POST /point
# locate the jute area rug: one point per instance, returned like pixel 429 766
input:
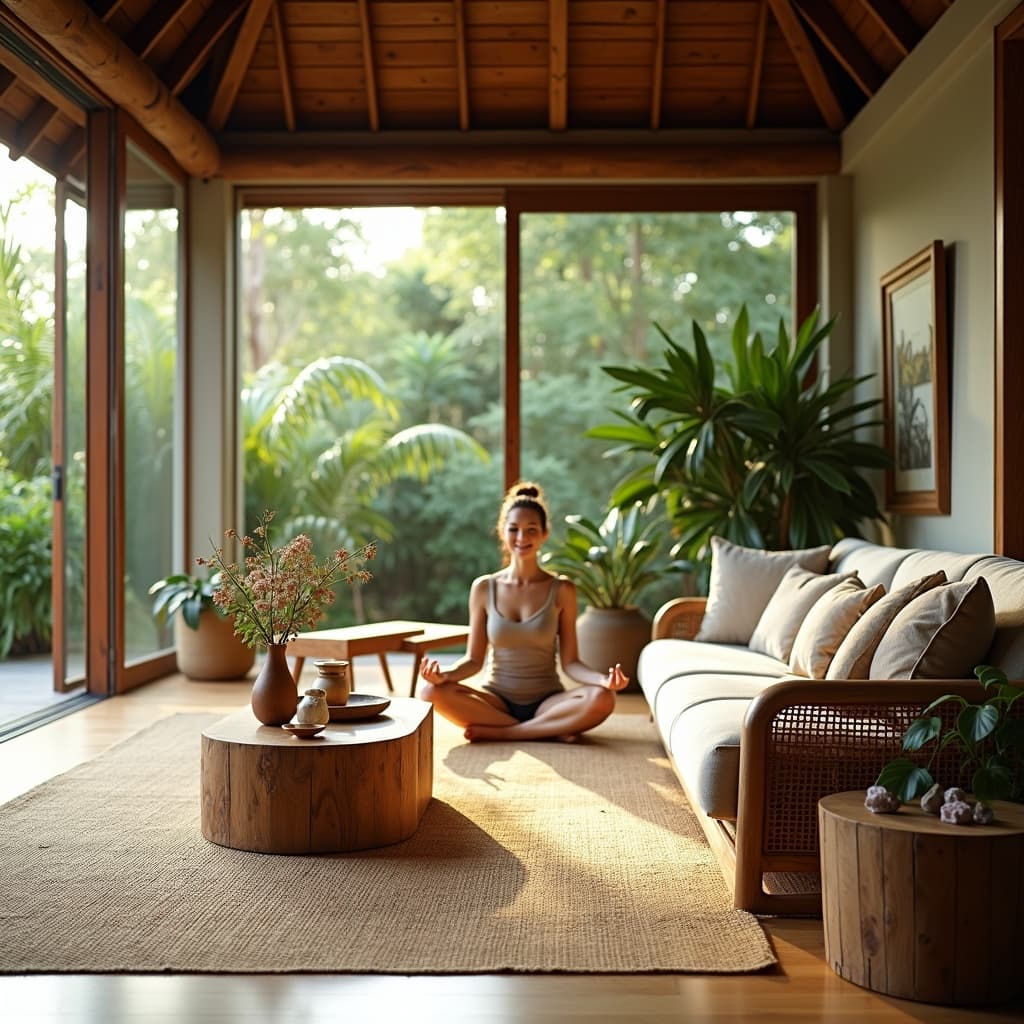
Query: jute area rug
pixel 543 857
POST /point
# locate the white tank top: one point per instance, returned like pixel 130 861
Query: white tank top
pixel 522 657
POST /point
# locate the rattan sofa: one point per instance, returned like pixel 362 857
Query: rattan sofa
pixel 756 747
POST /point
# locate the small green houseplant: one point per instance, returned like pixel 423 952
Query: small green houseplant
pixel 611 563
pixel 204 638
pixel 761 451
pixel 989 737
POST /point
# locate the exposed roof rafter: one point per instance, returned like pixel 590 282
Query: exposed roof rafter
pixel 835 34
pixel 280 45
pixel 154 25
pixel 7 80
pixel 810 67
pixel 185 63
pixel 756 69
pixel 897 24
pixel 106 9
pixel 31 130
pixel 369 70
pixel 461 69
pixel 558 65
pixel 248 36
pixel 658 71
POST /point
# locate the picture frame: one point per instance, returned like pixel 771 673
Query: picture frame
pixel 916 384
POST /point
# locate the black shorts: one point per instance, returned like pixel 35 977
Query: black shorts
pixel 524 712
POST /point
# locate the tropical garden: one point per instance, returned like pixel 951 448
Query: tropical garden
pixel 371 405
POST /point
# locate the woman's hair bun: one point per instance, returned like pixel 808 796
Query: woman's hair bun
pixel 527 492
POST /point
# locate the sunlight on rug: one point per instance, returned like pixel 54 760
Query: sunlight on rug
pixel 547 857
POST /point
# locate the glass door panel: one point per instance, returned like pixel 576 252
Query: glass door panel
pixel 153 398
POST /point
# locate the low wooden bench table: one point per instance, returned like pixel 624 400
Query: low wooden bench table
pixel 357 785
pixel 376 638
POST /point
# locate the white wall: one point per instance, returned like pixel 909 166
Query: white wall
pixel 920 156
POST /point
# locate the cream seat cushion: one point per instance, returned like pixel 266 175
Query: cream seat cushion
pixel 742 583
pixel 826 625
pixel 794 597
pixel 942 634
pixel 853 659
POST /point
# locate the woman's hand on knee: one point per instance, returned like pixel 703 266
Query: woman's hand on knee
pixel 430 670
pixel 617 679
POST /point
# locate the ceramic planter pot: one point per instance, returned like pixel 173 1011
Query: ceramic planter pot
pixel 610 635
pixel 212 651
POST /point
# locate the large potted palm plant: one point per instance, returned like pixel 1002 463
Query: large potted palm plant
pixel 612 563
pixel 762 451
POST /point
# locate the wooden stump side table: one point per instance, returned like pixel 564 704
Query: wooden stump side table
pixel 919 909
pixel 357 785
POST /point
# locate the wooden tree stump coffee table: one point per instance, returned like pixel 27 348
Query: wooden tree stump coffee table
pixel 357 785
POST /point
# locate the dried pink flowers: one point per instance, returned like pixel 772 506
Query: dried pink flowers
pixel 280 591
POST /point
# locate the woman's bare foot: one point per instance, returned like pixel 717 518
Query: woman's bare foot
pixel 478 733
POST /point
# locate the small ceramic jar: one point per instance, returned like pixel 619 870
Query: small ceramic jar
pixel 312 709
pixel 332 677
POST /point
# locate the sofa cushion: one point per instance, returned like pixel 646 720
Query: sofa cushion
pixel 681 693
pixel 662 661
pixel 742 583
pixel 795 596
pixel 853 658
pixel 871 562
pixel 826 625
pixel 941 634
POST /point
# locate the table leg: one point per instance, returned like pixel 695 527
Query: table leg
pixel 416 659
pixel 387 671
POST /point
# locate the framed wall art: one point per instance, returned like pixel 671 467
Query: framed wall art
pixel 916 384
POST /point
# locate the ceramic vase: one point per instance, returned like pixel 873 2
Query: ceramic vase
pixel 333 678
pixel 312 709
pixel 274 694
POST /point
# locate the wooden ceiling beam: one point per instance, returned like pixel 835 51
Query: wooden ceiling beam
pixel 31 129
pixel 106 9
pixel 837 38
pixel 503 164
pixel 7 81
pixel 462 72
pixel 758 65
pixel 154 25
pixel 807 60
pixel 184 64
pixel 369 71
pixel 92 48
pixel 253 20
pixel 280 44
pixel 895 22
pixel 658 71
pixel 558 65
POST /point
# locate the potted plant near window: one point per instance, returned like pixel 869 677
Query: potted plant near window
pixel 611 563
pixel 204 638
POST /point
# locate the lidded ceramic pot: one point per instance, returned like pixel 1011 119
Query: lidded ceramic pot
pixel 332 677
pixel 312 709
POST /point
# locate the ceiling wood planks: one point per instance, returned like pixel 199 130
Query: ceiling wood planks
pixel 154 25
pixel 843 45
pixel 369 67
pixel 281 47
pixel 897 24
pixel 558 65
pixel 810 67
pixel 758 64
pixel 248 36
pixel 31 130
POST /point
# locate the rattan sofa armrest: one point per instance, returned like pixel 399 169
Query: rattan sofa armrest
pixel 679 619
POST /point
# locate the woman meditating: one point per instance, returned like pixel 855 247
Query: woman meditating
pixel 525 615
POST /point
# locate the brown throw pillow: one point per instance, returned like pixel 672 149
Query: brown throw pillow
pixel 794 597
pixel 853 659
pixel 943 634
pixel 742 583
pixel 826 625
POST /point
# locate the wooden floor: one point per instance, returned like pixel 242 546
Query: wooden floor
pixel 802 987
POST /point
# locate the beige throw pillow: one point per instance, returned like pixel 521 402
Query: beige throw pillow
pixel 826 625
pixel 793 599
pixel 742 583
pixel 853 659
pixel 943 634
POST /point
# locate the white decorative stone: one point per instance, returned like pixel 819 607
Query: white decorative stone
pixel 957 812
pixel 954 794
pixel 933 800
pixel 880 801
